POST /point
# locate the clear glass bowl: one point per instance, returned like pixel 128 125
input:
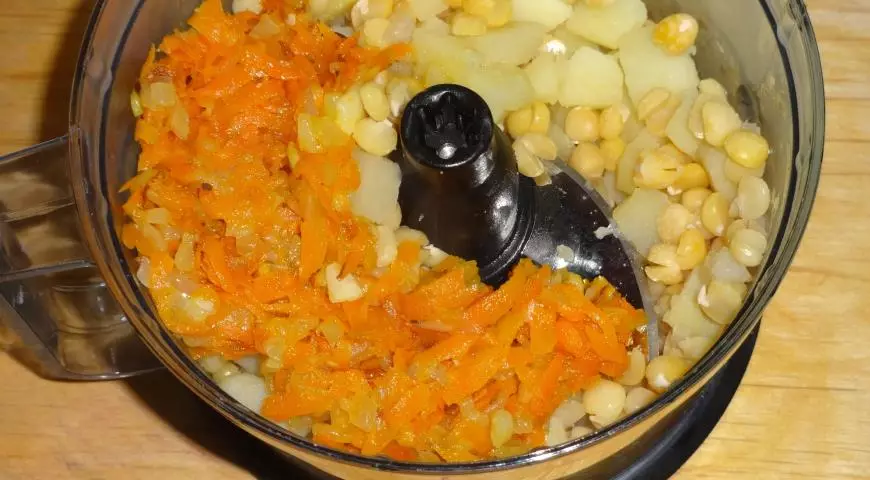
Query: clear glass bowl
pixel 59 301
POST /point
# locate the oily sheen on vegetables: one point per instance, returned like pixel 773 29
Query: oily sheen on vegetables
pixel 265 217
pixel 263 231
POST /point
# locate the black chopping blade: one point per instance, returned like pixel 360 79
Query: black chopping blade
pixel 461 187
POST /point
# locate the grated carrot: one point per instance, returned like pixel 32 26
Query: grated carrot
pixel 426 352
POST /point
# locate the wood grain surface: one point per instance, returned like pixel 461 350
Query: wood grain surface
pixel 803 410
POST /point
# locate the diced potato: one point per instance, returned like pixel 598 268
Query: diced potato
pixel 606 25
pixel 592 79
pixel 678 128
pixel 158 95
pixel 549 13
pixel 449 54
pixel 345 289
pixel 426 9
pixel 378 190
pixel 467 25
pixel 408 234
pixel 647 66
pixel 686 308
pixel 435 75
pixel 505 88
pixel 515 44
pixel 326 10
pixel 253 6
pixel 266 27
pixel 695 347
pixel 546 74
pixel 636 217
pixel 687 320
pixel 721 301
pixel 554 46
pixel 401 28
pixel 671 347
pixel 625 169
pixel 386 245
pixel 247 389
pixel 250 363
pixel 571 40
pixel 434 25
pixel 434 256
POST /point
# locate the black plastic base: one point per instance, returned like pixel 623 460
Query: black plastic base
pixel 658 456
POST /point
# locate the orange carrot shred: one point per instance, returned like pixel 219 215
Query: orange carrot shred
pixel 490 308
pixel 542 324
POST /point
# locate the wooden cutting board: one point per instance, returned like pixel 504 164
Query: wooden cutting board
pixel 802 410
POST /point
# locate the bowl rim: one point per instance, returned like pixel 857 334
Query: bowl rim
pixel 107 251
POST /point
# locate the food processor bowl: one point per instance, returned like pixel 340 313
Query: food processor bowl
pixel 71 305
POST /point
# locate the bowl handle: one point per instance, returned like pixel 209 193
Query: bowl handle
pixel 56 314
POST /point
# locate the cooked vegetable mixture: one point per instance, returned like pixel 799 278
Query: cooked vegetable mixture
pixel 266 221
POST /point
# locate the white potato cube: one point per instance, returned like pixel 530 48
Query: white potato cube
pixel 378 191
pixel 340 290
pixel 696 347
pixel 434 256
pixel 647 66
pixel 505 88
pixel 385 245
pixel 426 9
pixel 326 10
pixel 607 25
pixel 592 79
pixel 549 13
pixel 449 54
pixel 408 234
pixel 253 6
pixel 571 41
pixel 636 218
pixel 435 25
pixel 515 44
pixel 687 320
pixel 546 74
pixel 247 389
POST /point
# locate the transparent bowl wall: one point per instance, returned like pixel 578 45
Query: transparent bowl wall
pixel 763 51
